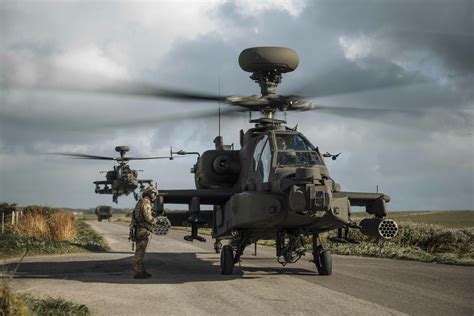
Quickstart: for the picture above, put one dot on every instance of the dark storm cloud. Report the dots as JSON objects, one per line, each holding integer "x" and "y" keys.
{"x": 445, "y": 29}
{"x": 430, "y": 34}
{"x": 392, "y": 33}
{"x": 381, "y": 54}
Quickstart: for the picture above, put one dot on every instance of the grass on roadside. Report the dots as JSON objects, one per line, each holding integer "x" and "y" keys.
{"x": 415, "y": 241}
{"x": 451, "y": 219}
{"x": 53, "y": 306}
{"x": 86, "y": 239}
{"x": 45, "y": 223}
{"x": 12, "y": 303}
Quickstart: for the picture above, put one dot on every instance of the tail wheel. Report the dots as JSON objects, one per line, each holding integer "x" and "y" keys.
{"x": 227, "y": 260}
{"x": 324, "y": 262}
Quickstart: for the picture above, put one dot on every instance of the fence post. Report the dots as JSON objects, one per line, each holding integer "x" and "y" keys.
{"x": 13, "y": 217}
{"x": 3, "y": 222}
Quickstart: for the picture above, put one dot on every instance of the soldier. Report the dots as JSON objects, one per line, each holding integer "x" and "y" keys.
{"x": 145, "y": 223}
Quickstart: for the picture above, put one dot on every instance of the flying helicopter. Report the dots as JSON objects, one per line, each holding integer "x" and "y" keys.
{"x": 276, "y": 186}
{"x": 122, "y": 180}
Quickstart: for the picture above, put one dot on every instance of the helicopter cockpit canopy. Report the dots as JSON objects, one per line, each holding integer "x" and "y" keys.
{"x": 283, "y": 149}
{"x": 294, "y": 150}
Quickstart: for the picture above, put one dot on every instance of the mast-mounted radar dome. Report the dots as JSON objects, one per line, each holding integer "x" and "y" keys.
{"x": 122, "y": 149}
{"x": 267, "y": 64}
{"x": 268, "y": 59}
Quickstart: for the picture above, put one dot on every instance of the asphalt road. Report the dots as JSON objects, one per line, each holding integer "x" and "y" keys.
{"x": 186, "y": 281}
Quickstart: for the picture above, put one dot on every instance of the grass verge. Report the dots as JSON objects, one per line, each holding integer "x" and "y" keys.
{"x": 53, "y": 306}
{"x": 12, "y": 303}
{"x": 86, "y": 239}
{"x": 415, "y": 241}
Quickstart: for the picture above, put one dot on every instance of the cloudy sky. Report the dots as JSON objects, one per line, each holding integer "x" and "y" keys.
{"x": 416, "y": 56}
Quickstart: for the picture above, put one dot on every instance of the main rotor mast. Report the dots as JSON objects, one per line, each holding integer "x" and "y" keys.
{"x": 266, "y": 65}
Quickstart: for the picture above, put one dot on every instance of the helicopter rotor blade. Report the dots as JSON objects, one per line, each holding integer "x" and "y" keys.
{"x": 54, "y": 78}
{"x": 148, "y": 158}
{"x": 154, "y": 120}
{"x": 83, "y": 156}
{"x": 347, "y": 110}
{"x": 148, "y": 90}
{"x": 75, "y": 126}
{"x": 463, "y": 119}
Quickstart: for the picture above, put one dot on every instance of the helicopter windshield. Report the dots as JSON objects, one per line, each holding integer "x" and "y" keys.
{"x": 294, "y": 150}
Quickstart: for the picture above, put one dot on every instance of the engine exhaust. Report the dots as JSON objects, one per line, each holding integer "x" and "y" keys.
{"x": 379, "y": 228}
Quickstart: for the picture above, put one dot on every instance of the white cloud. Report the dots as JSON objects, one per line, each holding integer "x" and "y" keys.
{"x": 254, "y": 8}
{"x": 91, "y": 60}
{"x": 356, "y": 48}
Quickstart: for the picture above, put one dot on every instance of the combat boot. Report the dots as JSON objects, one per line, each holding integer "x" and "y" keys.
{"x": 142, "y": 275}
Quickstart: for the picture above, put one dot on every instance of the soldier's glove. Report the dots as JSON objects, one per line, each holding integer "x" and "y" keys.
{"x": 162, "y": 226}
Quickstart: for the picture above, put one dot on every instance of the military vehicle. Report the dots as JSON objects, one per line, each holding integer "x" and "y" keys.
{"x": 276, "y": 186}
{"x": 103, "y": 212}
{"x": 122, "y": 180}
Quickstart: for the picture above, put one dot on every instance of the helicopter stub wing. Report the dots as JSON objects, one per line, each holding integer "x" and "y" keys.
{"x": 206, "y": 196}
{"x": 181, "y": 218}
{"x": 102, "y": 182}
{"x": 374, "y": 202}
{"x": 144, "y": 181}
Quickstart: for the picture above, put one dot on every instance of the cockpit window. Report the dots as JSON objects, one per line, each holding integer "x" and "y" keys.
{"x": 297, "y": 158}
{"x": 291, "y": 141}
{"x": 294, "y": 150}
{"x": 266, "y": 162}
{"x": 258, "y": 151}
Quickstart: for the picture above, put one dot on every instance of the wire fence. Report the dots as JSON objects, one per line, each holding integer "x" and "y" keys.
{"x": 10, "y": 215}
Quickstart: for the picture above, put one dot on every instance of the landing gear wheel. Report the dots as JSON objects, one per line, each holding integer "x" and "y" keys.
{"x": 227, "y": 260}
{"x": 324, "y": 262}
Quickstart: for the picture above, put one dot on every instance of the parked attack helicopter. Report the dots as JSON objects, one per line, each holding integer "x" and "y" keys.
{"x": 122, "y": 180}
{"x": 276, "y": 186}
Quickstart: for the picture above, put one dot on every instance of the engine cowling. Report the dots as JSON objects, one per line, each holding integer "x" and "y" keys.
{"x": 217, "y": 169}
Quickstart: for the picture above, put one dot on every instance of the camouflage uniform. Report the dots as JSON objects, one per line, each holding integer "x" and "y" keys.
{"x": 145, "y": 222}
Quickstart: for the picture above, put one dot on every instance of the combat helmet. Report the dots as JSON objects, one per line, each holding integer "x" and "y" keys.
{"x": 151, "y": 192}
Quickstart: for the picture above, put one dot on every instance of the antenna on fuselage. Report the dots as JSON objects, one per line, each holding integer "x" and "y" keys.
{"x": 219, "y": 103}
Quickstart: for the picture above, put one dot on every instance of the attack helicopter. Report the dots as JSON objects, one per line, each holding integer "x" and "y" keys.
{"x": 276, "y": 186}
{"x": 122, "y": 180}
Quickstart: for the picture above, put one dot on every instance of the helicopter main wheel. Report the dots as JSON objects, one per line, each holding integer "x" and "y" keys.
{"x": 227, "y": 260}
{"x": 323, "y": 261}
